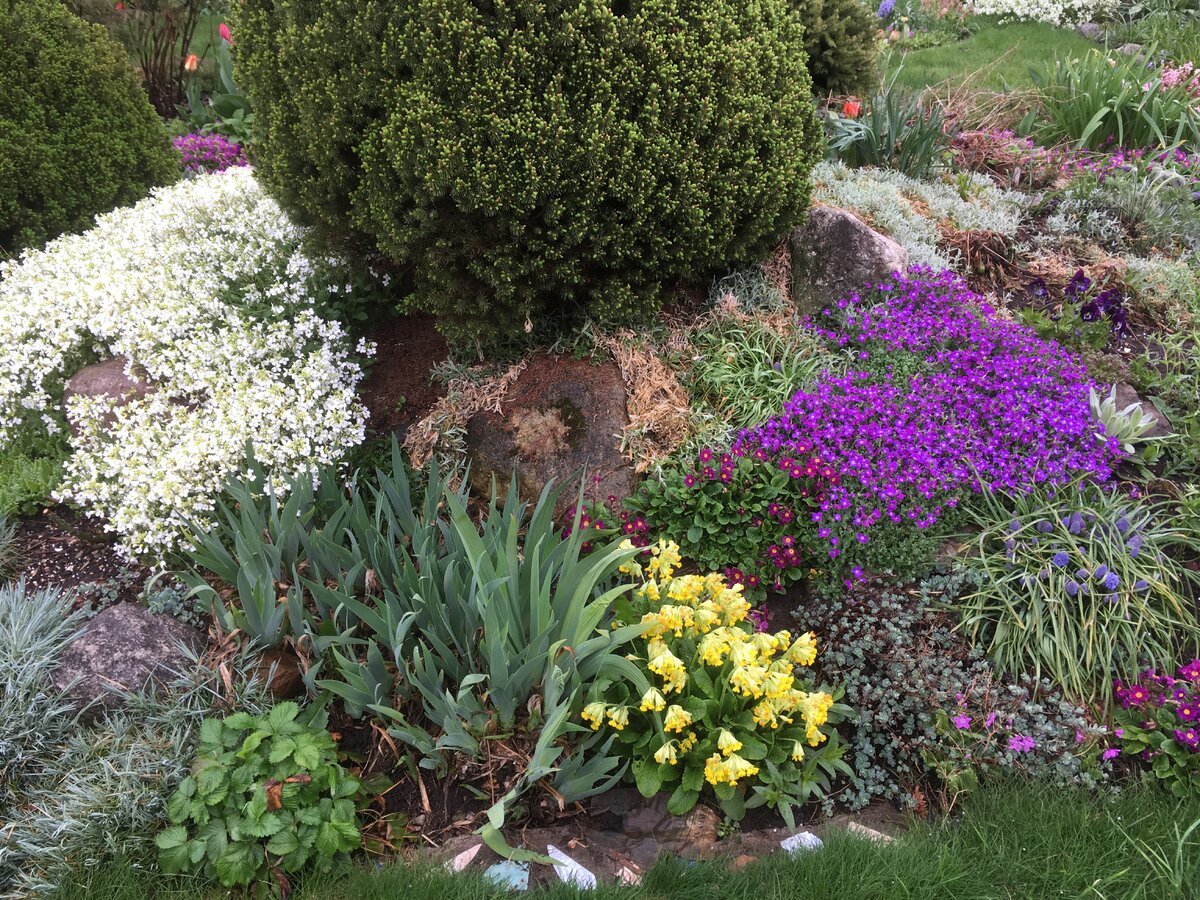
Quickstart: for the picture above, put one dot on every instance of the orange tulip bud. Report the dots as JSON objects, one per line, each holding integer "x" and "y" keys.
{"x": 192, "y": 62}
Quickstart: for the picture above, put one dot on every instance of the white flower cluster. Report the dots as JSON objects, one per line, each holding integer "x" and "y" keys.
{"x": 1056, "y": 12}
{"x": 909, "y": 211}
{"x": 206, "y": 289}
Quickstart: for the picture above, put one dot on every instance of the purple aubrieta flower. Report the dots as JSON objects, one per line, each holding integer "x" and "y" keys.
{"x": 962, "y": 721}
{"x": 209, "y": 153}
{"x": 1110, "y": 753}
{"x": 1021, "y": 743}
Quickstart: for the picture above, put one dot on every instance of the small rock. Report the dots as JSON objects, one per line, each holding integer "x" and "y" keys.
{"x": 107, "y": 379}
{"x": 1127, "y": 396}
{"x": 628, "y": 876}
{"x": 834, "y": 254}
{"x": 801, "y": 840}
{"x": 125, "y": 648}
{"x": 279, "y": 668}
{"x": 744, "y": 860}
{"x": 869, "y": 833}
{"x": 508, "y": 874}
{"x": 1130, "y": 49}
{"x": 569, "y": 871}
{"x": 560, "y": 416}
{"x": 1091, "y": 31}
{"x": 463, "y": 859}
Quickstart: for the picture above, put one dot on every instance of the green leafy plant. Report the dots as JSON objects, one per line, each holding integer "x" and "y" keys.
{"x": 897, "y": 131}
{"x": 227, "y": 109}
{"x": 1169, "y": 375}
{"x": 725, "y": 707}
{"x": 1126, "y": 425}
{"x": 1078, "y": 584}
{"x": 77, "y": 136}
{"x": 1098, "y": 99}
{"x": 265, "y": 799}
{"x": 545, "y": 160}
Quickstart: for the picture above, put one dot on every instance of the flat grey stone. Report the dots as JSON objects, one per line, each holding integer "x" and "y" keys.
{"x": 835, "y": 254}
{"x": 125, "y": 648}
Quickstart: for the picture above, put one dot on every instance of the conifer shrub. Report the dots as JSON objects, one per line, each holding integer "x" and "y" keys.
{"x": 518, "y": 160}
{"x": 78, "y": 136}
{"x": 841, "y": 39}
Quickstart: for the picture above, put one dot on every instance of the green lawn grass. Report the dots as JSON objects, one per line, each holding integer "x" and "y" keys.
{"x": 1015, "y": 841}
{"x": 996, "y": 57}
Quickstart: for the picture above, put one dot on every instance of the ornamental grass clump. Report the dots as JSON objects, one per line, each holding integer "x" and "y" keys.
{"x": 524, "y": 161}
{"x": 726, "y": 708}
{"x": 943, "y": 399}
{"x": 1080, "y": 583}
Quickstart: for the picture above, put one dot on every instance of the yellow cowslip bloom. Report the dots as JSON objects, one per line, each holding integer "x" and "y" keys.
{"x": 765, "y": 644}
{"x": 666, "y": 754}
{"x": 777, "y": 684}
{"x": 666, "y": 664}
{"x": 618, "y": 717}
{"x": 653, "y": 700}
{"x": 686, "y": 589}
{"x": 666, "y": 559}
{"x": 707, "y": 616}
{"x": 629, "y": 567}
{"x": 688, "y": 742}
{"x": 736, "y": 767}
{"x": 714, "y": 769}
{"x": 594, "y": 713}
{"x": 813, "y": 735}
{"x": 742, "y": 652}
{"x": 797, "y": 751}
{"x": 713, "y": 647}
{"x": 649, "y": 590}
{"x": 748, "y": 680}
{"x": 765, "y": 716}
{"x": 804, "y": 650}
{"x": 677, "y": 718}
{"x": 727, "y": 743}
{"x": 814, "y": 707}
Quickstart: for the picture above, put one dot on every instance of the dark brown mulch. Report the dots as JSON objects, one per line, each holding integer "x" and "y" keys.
{"x": 408, "y": 348}
{"x": 62, "y": 548}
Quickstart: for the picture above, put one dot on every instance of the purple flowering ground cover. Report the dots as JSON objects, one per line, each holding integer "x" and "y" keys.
{"x": 209, "y": 153}
{"x": 987, "y": 403}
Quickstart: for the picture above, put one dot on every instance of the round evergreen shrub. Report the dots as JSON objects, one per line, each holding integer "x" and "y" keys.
{"x": 77, "y": 134}
{"x": 841, "y": 38}
{"x": 520, "y": 159}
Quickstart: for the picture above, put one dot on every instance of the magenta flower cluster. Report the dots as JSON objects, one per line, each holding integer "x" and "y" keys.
{"x": 202, "y": 153}
{"x": 992, "y": 405}
{"x": 1179, "y": 694}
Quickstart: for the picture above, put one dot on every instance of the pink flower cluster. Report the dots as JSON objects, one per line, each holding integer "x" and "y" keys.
{"x": 209, "y": 153}
{"x": 992, "y": 404}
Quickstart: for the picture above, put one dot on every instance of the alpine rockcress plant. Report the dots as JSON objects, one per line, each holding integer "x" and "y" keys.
{"x": 205, "y": 289}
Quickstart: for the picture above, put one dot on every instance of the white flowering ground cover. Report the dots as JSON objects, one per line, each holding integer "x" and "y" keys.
{"x": 206, "y": 288}
{"x": 1056, "y": 12}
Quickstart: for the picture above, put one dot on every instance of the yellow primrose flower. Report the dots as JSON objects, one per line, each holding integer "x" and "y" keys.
{"x": 618, "y": 717}
{"x": 594, "y": 713}
{"x": 677, "y": 718}
{"x": 653, "y": 700}
{"x": 814, "y": 736}
{"x": 748, "y": 680}
{"x": 649, "y": 590}
{"x": 713, "y": 647}
{"x": 714, "y": 769}
{"x": 706, "y": 616}
{"x": 727, "y": 743}
{"x": 736, "y": 767}
{"x": 764, "y": 715}
{"x": 742, "y": 653}
{"x": 666, "y": 754}
{"x": 797, "y": 751}
{"x": 777, "y": 684}
{"x": 666, "y": 559}
{"x": 815, "y": 707}
{"x": 804, "y": 650}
